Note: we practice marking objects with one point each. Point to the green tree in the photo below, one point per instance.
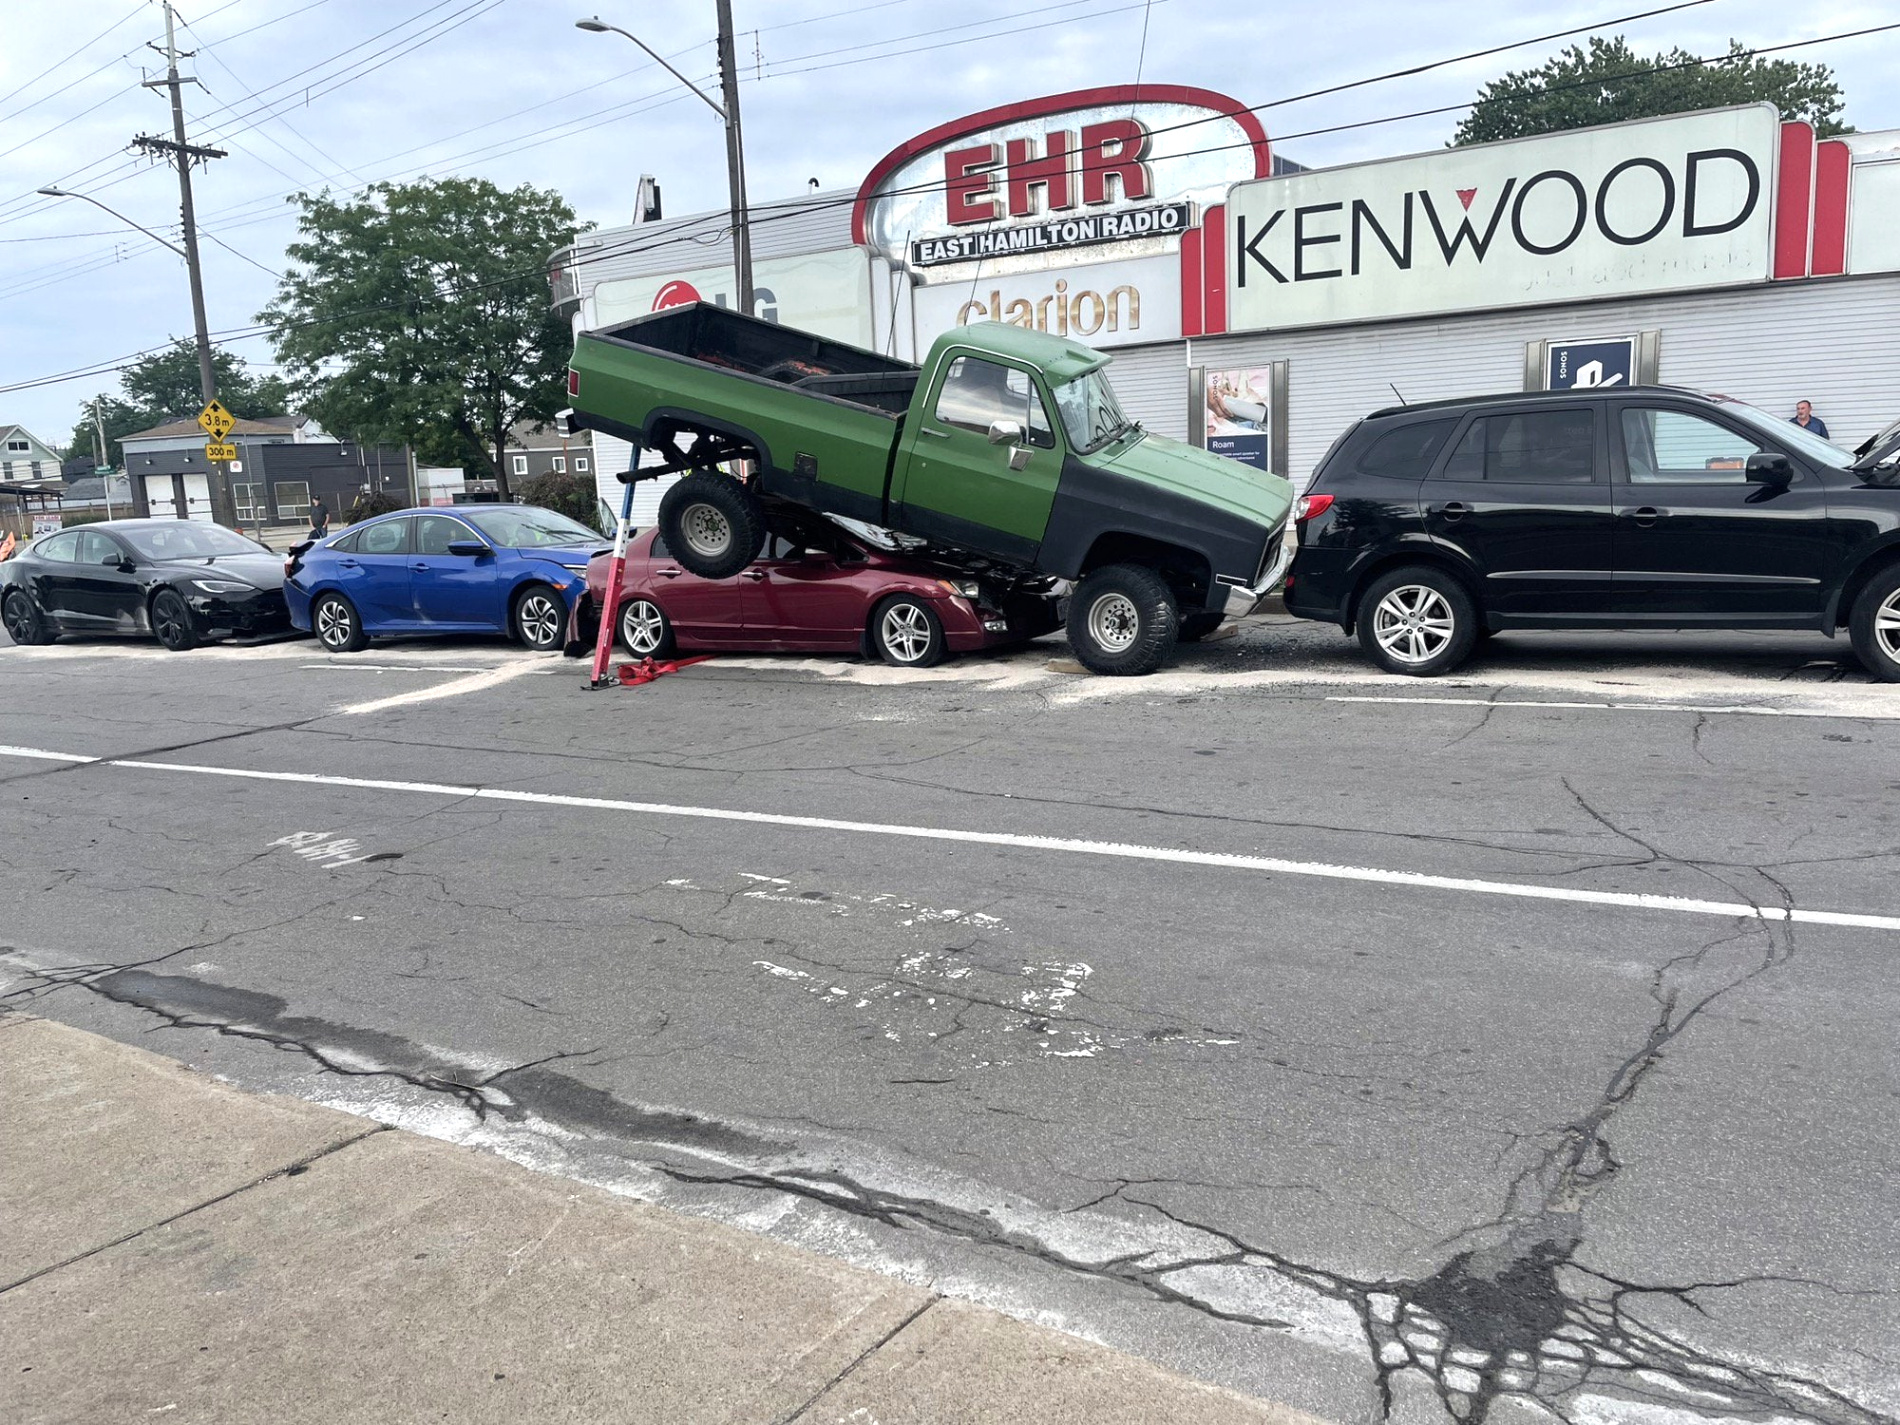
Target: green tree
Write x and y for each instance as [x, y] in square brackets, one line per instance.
[418, 314]
[164, 387]
[1610, 82]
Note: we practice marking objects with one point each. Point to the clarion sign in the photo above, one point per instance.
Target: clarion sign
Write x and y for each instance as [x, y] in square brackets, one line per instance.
[1641, 207]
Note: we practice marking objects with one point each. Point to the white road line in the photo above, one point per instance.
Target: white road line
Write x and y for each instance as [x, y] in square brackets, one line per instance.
[408, 667]
[43, 755]
[455, 688]
[1622, 707]
[1073, 845]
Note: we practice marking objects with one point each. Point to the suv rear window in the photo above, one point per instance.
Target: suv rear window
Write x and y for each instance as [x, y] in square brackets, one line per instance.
[1408, 452]
[1528, 448]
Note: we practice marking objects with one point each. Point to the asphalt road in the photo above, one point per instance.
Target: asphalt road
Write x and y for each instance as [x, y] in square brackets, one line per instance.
[1514, 1047]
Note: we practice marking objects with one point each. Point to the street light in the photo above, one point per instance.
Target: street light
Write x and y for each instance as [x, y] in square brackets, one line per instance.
[729, 115]
[52, 192]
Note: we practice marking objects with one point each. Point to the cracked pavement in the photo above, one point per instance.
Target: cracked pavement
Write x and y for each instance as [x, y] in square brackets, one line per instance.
[1377, 1151]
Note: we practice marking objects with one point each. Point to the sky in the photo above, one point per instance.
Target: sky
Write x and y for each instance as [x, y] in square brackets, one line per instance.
[313, 94]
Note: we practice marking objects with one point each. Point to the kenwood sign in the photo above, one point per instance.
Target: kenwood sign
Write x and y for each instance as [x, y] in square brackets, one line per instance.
[1622, 210]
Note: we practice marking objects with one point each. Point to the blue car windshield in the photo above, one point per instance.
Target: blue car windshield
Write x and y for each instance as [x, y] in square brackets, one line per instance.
[527, 527]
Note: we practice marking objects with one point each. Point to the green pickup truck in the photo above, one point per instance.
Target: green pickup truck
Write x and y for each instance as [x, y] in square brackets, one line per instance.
[1005, 451]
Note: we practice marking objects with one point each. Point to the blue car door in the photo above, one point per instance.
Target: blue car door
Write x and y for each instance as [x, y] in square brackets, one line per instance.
[375, 575]
[459, 592]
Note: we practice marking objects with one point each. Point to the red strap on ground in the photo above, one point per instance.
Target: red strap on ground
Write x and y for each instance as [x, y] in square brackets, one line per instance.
[632, 675]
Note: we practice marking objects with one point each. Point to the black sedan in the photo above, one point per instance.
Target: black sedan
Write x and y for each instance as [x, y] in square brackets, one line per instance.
[180, 581]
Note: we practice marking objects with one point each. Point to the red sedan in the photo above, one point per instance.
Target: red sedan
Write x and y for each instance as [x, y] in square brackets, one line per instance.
[821, 592]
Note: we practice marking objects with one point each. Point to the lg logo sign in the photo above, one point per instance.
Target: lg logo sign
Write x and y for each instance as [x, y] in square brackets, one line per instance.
[683, 294]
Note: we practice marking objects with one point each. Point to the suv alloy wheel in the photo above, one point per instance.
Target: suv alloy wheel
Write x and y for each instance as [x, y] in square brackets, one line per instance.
[1418, 620]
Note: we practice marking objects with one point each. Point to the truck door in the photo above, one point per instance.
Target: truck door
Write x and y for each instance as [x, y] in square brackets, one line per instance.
[961, 486]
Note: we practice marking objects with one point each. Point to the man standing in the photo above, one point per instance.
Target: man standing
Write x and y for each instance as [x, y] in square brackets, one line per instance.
[1805, 418]
[320, 516]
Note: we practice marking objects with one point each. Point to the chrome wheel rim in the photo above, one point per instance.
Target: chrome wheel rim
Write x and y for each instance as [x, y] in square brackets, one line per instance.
[539, 619]
[19, 619]
[642, 627]
[333, 624]
[1413, 623]
[1114, 622]
[906, 632]
[1887, 626]
[167, 621]
[707, 532]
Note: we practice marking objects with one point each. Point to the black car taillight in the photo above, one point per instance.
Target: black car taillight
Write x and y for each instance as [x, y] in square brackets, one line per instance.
[1310, 506]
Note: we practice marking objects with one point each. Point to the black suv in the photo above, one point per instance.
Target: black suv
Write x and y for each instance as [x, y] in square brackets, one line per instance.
[1430, 527]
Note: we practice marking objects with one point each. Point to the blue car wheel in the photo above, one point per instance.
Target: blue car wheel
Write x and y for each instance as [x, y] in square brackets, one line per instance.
[540, 618]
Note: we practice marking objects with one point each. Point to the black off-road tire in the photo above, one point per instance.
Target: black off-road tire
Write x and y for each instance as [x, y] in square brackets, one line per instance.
[1875, 625]
[712, 524]
[906, 632]
[171, 622]
[1123, 621]
[1196, 626]
[644, 629]
[25, 624]
[337, 624]
[1419, 621]
[538, 618]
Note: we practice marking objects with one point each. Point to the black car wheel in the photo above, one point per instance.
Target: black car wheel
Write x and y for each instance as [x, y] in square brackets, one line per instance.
[1196, 626]
[24, 623]
[540, 618]
[337, 625]
[645, 630]
[712, 524]
[1418, 620]
[171, 622]
[1123, 621]
[1874, 625]
[906, 633]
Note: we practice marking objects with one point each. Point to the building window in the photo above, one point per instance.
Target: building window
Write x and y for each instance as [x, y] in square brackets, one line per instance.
[560, 465]
[249, 500]
[6, 470]
[580, 465]
[521, 465]
[18, 445]
[293, 499]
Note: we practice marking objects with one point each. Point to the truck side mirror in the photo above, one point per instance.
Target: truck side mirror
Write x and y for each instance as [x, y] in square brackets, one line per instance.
[1006, 432]
[1768, 467]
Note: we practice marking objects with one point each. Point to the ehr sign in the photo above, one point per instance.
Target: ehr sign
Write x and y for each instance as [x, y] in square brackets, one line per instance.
[1616, 211]
[1122, 168]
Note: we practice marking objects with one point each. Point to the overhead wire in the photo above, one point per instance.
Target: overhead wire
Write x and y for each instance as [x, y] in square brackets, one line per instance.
[794, 209]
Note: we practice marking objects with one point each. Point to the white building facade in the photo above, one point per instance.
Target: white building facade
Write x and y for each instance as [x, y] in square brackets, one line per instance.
[1261, 308]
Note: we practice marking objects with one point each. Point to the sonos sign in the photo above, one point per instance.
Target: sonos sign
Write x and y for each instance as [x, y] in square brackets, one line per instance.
[1647, 207]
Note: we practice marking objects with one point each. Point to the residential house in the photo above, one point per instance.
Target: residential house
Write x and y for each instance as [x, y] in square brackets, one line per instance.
[26, 459]
[533, 452]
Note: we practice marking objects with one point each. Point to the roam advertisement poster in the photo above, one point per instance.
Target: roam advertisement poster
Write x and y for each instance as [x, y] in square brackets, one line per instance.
[1239, 411]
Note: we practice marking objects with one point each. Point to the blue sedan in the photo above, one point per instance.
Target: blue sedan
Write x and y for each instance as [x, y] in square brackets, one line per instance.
[481, 569]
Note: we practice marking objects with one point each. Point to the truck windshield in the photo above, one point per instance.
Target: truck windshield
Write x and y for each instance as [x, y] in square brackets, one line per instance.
[1090, 413]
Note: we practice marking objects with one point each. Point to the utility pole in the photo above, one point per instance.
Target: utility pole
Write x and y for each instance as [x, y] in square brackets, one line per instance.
[735, 159]
[99, 452]
[184, 155]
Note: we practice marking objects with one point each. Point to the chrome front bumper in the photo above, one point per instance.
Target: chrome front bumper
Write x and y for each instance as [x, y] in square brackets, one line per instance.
[1271, 574]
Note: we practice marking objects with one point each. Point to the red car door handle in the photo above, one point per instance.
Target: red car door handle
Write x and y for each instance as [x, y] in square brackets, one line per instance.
[755, 574]
[669, 573]
[1646, 516]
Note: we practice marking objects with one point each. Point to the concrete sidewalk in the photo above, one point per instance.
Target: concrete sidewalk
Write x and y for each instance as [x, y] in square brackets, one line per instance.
[176, 1248]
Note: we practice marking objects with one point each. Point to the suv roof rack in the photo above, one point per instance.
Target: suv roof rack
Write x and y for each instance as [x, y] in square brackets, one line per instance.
[1505, 397]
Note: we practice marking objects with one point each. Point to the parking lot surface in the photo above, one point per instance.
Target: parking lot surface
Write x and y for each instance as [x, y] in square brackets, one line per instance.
[1513, 1046]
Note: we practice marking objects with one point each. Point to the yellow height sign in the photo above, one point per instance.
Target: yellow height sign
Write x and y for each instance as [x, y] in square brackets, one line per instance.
[216, 423]
[216, 452]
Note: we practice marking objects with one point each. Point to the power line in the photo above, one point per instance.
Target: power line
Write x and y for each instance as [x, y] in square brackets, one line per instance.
[630, 247]
[13, 94]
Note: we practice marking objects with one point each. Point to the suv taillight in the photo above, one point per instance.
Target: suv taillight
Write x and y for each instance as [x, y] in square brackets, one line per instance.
[1311, 505]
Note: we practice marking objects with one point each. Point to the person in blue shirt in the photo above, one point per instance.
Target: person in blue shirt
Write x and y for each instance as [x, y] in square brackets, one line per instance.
[1805, 418]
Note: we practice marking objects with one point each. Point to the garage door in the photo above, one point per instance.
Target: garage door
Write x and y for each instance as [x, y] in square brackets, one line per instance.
[610, 458]
[198, 497]
[158, 495]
